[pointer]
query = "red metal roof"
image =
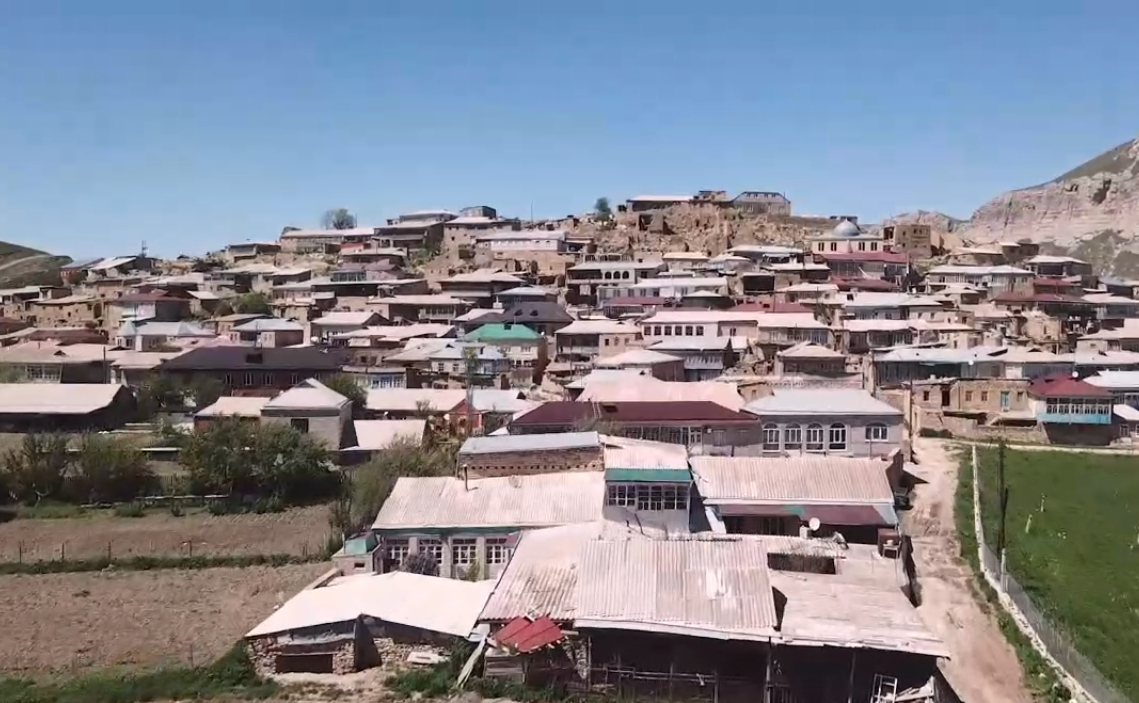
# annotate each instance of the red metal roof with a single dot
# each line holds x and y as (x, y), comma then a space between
(523, 635)
(1066, 387)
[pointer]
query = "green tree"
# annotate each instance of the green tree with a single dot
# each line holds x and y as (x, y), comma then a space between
(157, 393)
(420, 563)
(223, 309)
(351, 389)
(205, 390)
(290, 465)
(37, 469)
(252, 304)
(338, 218)
(602, 211)
(217, 458)
(237, 458)
(371, 483)
(111, 470)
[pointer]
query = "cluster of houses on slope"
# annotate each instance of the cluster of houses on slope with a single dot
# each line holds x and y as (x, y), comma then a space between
(602, 562)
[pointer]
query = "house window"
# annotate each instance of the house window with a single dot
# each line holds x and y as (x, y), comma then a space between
(968, 396)
(606, 340)
(877, 432)
(497, 551)
(873, 246)
(793, 438)
(622, 495)
(925, 395)
(834, 246)
(396, 550)
(248, 379)
(688, 330)
(433, 548)
(836, 438)
(464, 552)
(771, 437)
(299, 423)
(815, 438)
(700, 330)
(984, 396)
(668, 330)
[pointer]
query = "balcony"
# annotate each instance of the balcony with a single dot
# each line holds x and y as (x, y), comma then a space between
(1075, 418)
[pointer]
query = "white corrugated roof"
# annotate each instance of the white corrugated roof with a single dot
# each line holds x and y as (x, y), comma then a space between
(377, 434)
(449, 606)
(307, 395)
(598, 327)
(541, 500)
(801, 479)
(820, 402)
(240, 406)
(547, 442)
(825, 610)
(541, 578)
(700, 588)
(635, 357)
(649, 389)
(408, 399)
(56, 398)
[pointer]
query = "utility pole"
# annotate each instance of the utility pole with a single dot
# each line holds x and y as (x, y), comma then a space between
(1002, 489)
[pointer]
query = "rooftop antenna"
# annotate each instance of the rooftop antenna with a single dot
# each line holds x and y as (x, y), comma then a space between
(142, 251)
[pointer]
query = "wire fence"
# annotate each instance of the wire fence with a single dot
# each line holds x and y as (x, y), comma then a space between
(30, 552)
(1055, 642)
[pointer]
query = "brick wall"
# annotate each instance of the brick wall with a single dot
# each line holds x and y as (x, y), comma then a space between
(514, 463)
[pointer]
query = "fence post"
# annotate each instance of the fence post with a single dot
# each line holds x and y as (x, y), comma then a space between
(63, 551)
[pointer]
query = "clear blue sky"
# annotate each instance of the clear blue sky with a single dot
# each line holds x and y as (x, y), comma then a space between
(193, 124)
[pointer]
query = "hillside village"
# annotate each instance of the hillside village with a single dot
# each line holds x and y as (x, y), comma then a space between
(685, 428)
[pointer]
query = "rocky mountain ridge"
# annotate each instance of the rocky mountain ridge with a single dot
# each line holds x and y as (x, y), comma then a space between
(1090, 212)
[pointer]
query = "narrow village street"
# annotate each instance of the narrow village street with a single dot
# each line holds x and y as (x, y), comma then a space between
(984, 667)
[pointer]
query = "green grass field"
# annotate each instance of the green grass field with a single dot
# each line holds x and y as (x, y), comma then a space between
(1073, 521)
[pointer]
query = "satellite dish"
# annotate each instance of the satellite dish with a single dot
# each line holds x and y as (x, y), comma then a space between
(814, 524)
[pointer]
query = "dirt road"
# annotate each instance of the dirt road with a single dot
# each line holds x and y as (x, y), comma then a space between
(983, 668)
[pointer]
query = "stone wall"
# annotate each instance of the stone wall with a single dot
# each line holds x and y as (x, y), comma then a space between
(263, 653)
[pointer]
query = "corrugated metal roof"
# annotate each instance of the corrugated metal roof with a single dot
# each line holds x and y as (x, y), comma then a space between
(717, 589)
(449, 606)
(552, 441)
(635, 357)
(541, 500)
(817, 402)
(408, 399)
(652, 390)
(563, 412)
(241, 406)
(372, 435)
(541, 578)
(626, 453)
(823, 610)
(56, 398)
(805, 479)
(307, 395)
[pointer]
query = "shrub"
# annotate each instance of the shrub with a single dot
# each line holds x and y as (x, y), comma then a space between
(130, 510)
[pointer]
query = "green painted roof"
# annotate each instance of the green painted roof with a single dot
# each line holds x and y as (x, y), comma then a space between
(498, 330)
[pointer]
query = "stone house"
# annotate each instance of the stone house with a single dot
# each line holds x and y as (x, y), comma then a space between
(827, 421)
(316, 410)
(342, 624)
(69, 311)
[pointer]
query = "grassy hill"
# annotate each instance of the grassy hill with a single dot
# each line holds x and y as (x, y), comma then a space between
(23, 266)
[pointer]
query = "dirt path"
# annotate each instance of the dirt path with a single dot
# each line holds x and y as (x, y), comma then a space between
(24, 260)
(983, 668)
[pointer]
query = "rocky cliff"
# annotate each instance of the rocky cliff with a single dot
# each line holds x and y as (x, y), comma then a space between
(1090, 212)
